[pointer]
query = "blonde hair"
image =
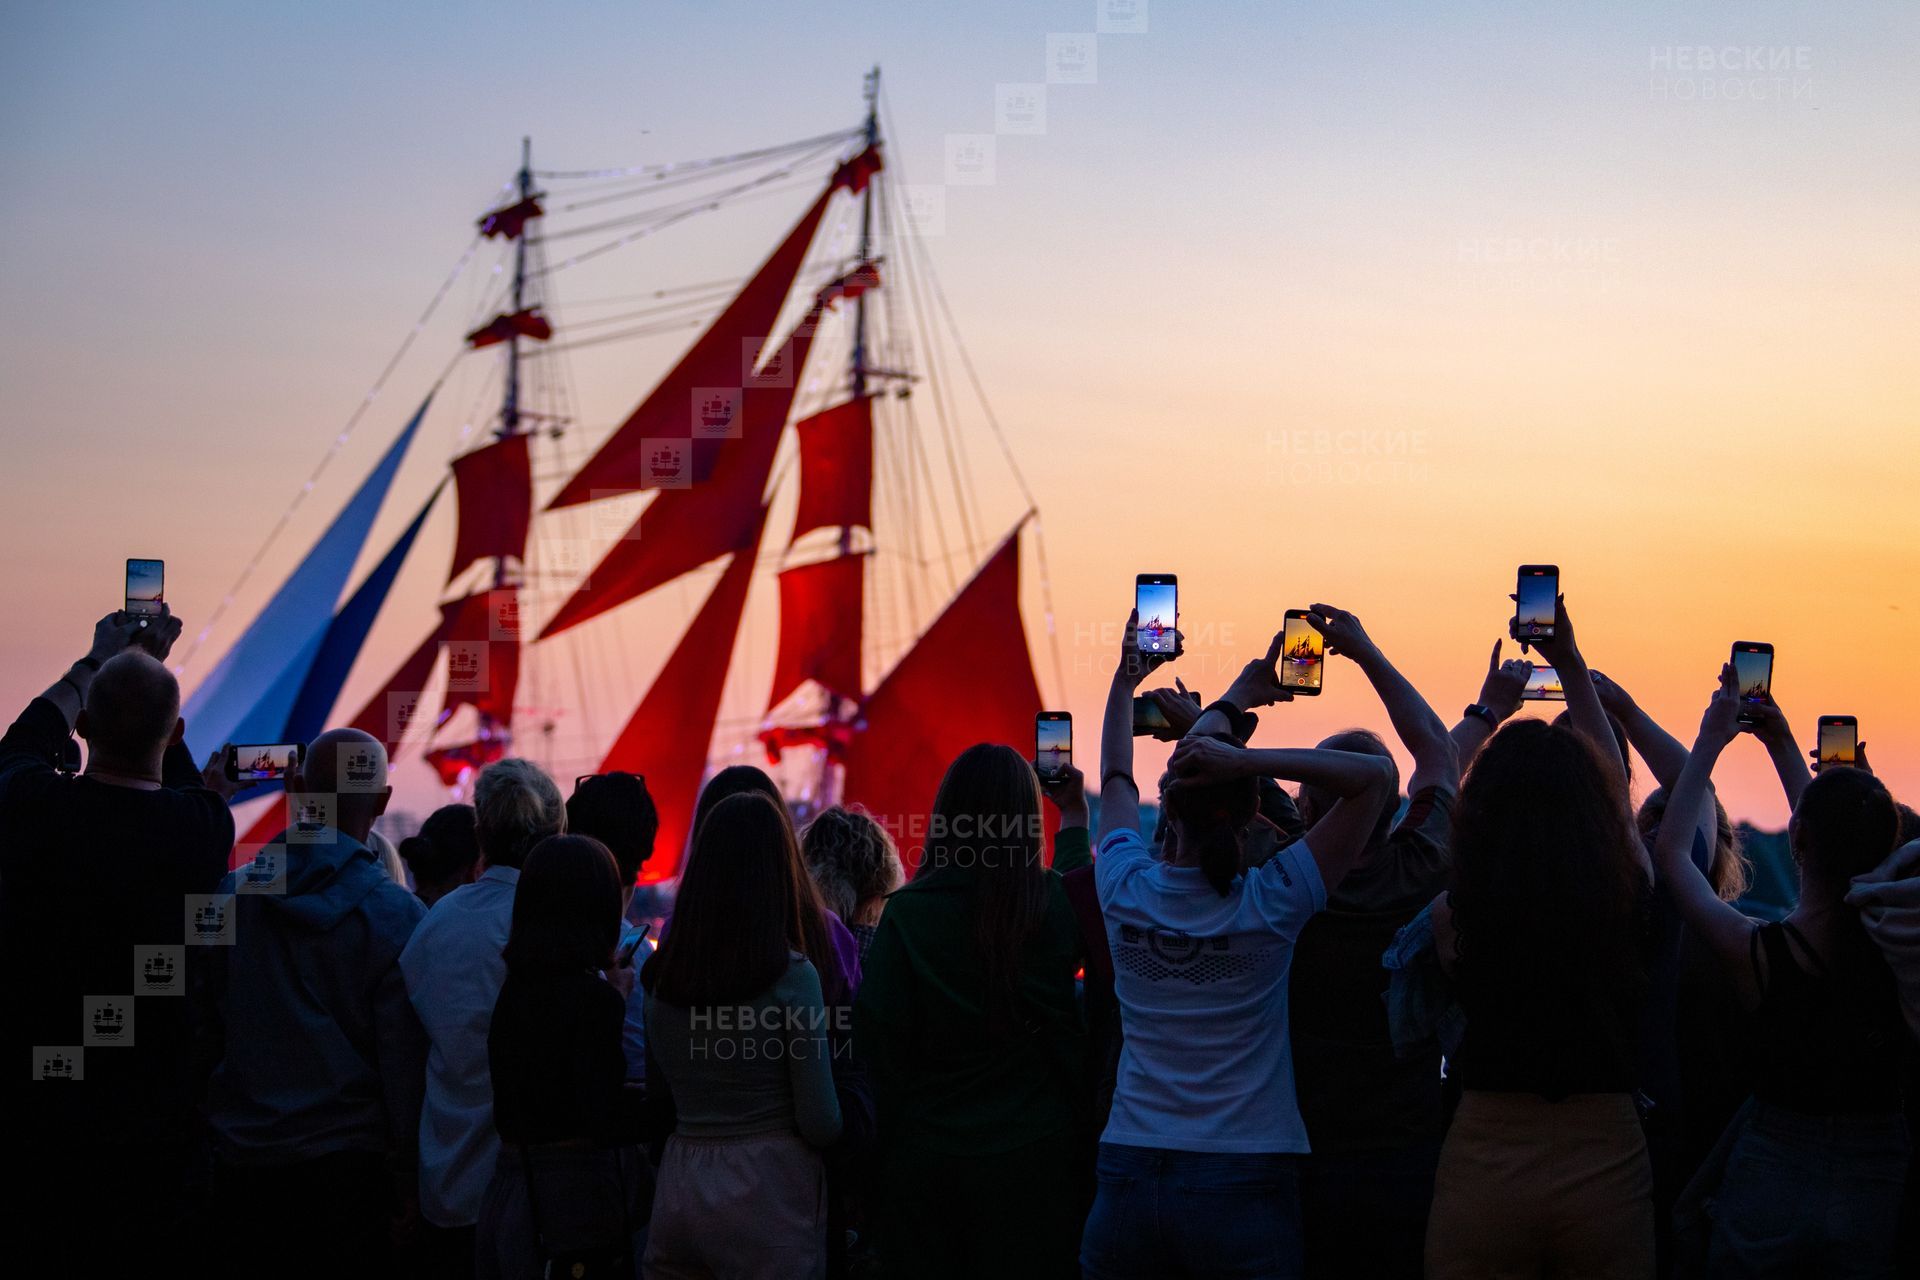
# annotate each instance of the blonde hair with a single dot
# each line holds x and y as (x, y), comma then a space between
(516, 806)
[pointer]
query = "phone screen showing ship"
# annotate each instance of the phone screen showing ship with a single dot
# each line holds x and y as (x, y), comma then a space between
(1156, 603)
(1543, 685)
(146, 581)
(1052, 747)
(1752, 674)
(263, 764)
(1839, 739)
(1533, 614)
(1303, 655)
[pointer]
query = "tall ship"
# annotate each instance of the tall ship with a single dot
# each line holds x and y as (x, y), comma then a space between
(802, 547)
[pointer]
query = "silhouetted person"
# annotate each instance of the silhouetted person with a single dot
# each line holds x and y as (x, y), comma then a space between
(443, 854)
(93, 868)
(319, 1060)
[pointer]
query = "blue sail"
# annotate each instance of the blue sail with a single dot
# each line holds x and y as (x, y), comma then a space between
(250, 693)
(341, 645)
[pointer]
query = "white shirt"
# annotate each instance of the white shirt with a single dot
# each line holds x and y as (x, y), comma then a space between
(454, 970)
(1201, 979)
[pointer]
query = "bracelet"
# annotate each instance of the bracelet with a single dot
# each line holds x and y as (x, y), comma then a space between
(1481, 711)
(79, 693)
(90, 662)
(1126, 774)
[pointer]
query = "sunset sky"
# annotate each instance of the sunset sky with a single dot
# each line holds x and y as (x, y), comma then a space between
(1364, 304)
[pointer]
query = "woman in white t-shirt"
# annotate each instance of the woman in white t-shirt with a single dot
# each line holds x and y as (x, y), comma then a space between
(1197, 1168)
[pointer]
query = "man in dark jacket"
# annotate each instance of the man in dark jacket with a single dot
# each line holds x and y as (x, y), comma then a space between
(320, 1062)
(96, 872)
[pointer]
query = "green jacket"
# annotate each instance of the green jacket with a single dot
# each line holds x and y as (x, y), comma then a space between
(941, 1084)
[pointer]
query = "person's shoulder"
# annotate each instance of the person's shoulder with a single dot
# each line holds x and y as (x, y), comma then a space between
(392, 908)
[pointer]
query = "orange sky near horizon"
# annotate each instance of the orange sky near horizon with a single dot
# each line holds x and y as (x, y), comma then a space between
(1366, 308)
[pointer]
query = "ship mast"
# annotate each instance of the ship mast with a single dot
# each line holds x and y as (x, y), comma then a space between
(510, 406)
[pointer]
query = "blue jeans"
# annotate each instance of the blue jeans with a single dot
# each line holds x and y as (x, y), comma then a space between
(1810, 1196)
(1160, 1215)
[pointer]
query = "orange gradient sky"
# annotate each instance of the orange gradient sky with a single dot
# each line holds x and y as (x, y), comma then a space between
(1365, 307)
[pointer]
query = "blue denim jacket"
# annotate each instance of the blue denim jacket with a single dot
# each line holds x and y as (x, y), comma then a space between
(1421, 1002)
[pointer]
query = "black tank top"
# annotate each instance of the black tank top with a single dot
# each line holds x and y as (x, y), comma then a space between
(1829, 1041)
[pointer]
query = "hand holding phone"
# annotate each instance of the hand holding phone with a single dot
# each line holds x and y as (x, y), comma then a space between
(1157, 713)
(626, 954)
(1543, 685)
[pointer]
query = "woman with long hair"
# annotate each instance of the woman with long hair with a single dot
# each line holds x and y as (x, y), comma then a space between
(1199, 1162)
(824, 937)
(968, 1020)
(1545, 1167)
(738, 1028)
(569, 1180)
(1816, 1163)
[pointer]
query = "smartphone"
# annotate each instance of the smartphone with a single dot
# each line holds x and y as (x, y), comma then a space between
(1753, 677)
(1303, 654)
(1544, 686)
(1536, 602)
(1838, 742)
(1148, 719)
(1052, 745)
(626, 953)
(1156, 598)
(267, 762)
(146, 588)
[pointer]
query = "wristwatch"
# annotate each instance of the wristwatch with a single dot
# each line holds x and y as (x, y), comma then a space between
(1484, 712)
(90, 662)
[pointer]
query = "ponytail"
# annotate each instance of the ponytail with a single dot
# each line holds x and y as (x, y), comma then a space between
(1219, 853)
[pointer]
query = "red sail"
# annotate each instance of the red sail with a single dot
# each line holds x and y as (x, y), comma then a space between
(720, 360)
(389, 712)
(969, 679)
(836, 468)
(682, 529)
(856, 282)
(456, 764)
(666, 740)
(820, 627)
(495, 485)
(483, 653)
(854, 174)
(526, 324)
(510, 220)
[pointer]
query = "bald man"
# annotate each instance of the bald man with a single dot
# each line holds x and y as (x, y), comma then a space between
(320, 1060)
(95, 869)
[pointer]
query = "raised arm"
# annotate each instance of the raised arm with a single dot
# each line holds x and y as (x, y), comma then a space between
(1719, 925)
(1499, 697)
(1789, 765)
(1583, 700)
(1362, 783)
(1424, 734)
(1119, 793)
(1665, 754)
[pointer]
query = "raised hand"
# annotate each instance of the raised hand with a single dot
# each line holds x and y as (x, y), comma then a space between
(1615, 699)
(112, 635)
(1258, 684)
(1721, 722)
(1562, 652)
(1506, 681)
(1207, 760)
(1068, 792)
(1179, 709)
(1345, 635)
(157, 639)
(1136, 666)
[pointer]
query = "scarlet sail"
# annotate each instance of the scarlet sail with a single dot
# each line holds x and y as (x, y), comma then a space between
(682, 529)
(969, 679)
(820, 627)
(495, 485)
(836, 468)
(483, 654)
(721, 360)
(667, 738)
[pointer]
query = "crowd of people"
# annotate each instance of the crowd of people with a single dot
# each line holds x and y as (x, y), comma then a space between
(1505, 1026)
